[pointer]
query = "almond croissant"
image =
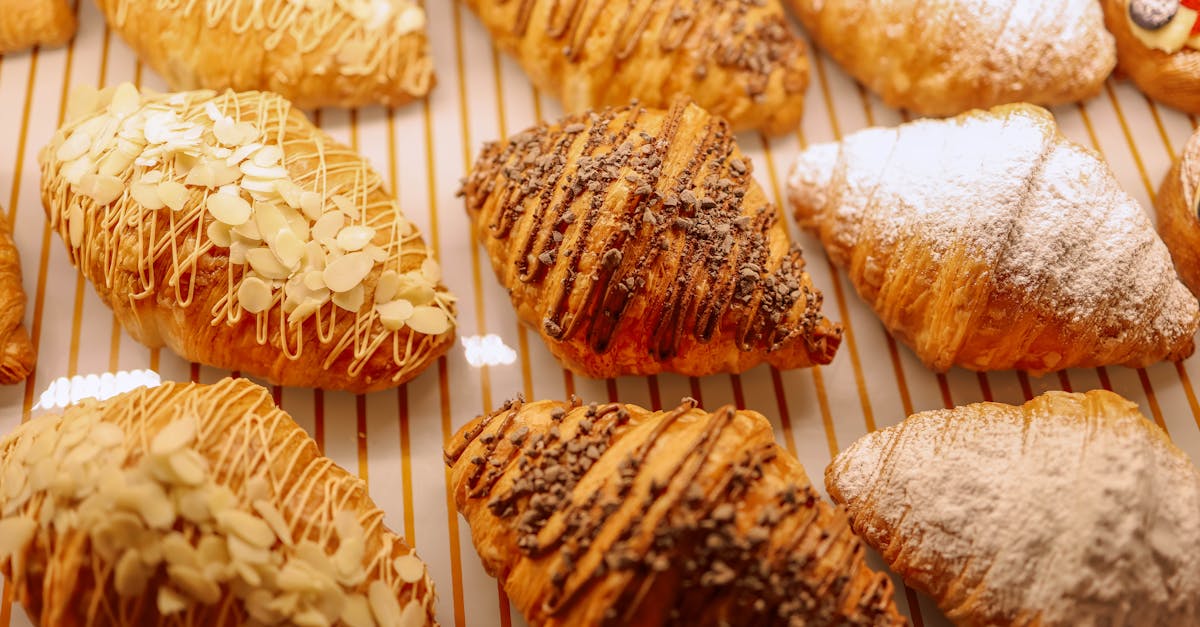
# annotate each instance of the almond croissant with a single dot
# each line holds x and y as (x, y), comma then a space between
(316, 53)
(26, 23)
(943, 57)
(990, 241)
(1072, 509)
(740, 60)
(1158, 47)
(230, 229)
(1177, 205)
(16, 349)
(194, 504)
(615, 515)
(636, 241)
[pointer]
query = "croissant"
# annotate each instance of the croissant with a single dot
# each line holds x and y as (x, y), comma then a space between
(316, 53)
(944, 57)
(1176, 205)
(194, 504)
(26, 23)
(1072, 509)
(990, 241)
(740, 60)
(16, 350)
(636, 241)
(230, 229)
(1158, 46)
(615, 515)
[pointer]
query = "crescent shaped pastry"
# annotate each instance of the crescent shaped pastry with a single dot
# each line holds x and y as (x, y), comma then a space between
(16, 350)
(1158, 47)
(616, 515)
(192, 504)
(230, 229)
(991, 241)
(636, 241)
(1072, 509)
(28, 23)
(1177, 205)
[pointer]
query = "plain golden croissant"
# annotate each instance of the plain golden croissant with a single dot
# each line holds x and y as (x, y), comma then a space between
(1177, 205)
(1072, 509)
(26, 23)
(740, 60)
(1158, 47)
(230, 229)
(16, 349)
(944, 57)
(637, 241)
(615, 515)
(991, 241)
(316, 53)
(194, 504)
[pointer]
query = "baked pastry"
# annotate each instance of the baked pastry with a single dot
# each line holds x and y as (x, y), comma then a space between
(192, 504)
(616, 515)
(27, 23)
(1177, 205)
(230, 229)
(1072, 509)
(740, 60)
(316, 53)
(16, 350)
(944, 57)
(991, 241)
(1158, 47)
(636, 241)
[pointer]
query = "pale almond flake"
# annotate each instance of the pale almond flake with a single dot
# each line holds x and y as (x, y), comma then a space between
(413, 615)
(75, 224)
(344, 205)
(189, 467)
(393, 315)
(146, 195)
(288, 248)
(311, 205)
(266, 264)
(431, 270)
(74, 147)
(229, 209)
(347, 272)
(74, 171)
(254, 295)
(376, 253)
(328, 226)
(174, 195)
(130, 575)
(384, 604)
(355, 237)
(100, 188)
(175, 436)
(194, 584)
(247, 527)
(126, 100)
(170, 602)
(270, 514)
(268, 156)
(219, 234)
(387, 286)
(356, 612)
(350, 300)
(410, 568)
(429, 320)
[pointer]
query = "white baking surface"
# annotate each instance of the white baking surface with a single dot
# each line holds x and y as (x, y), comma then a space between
(394, 439)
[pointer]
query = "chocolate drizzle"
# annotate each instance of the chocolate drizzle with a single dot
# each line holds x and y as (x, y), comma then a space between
(656, 213)
(676, 518)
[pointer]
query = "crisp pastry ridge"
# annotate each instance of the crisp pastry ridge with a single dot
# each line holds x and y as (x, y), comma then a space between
(1176, 206)
(616, 515)
(231, 229)
(316, 53)
(26, 23)
(637, 241)
(739, 59)
(17, 354)
(191, 504)
(1072, 509)
(991, 241)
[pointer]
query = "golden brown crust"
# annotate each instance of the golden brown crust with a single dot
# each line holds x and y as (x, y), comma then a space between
(1170, 78)
(170, 284)
(615, 515)
(16, 350)
(316, 56)
(1176, 208)
(636, 241)
(112, 475)
(26, 23)
(945, 57)
(739, 59)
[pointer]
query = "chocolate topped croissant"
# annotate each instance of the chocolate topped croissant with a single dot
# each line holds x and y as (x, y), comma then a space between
(201, 505)
(637, 241)
(616, 515)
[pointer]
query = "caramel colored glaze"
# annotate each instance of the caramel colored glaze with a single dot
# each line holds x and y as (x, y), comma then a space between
(739, 59)
(1173, 79)
(1176, 208)
(637, 241)
(615, 515)
(16, 350)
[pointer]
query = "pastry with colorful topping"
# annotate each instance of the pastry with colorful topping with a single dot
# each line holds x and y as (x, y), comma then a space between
(616, 515)
(316, 53)
(230, 229)
(944, 57)
(201, 505)
(990, 241)
(1158, 47)
(739, 59)
(637, 241)
(1072, 509)
(16, 349)
(1177, 205)
(28, 23)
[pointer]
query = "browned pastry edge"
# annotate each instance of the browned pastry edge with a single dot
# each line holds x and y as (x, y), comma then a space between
(17, 354)
(1170, 78)
(28, 23)
(1179, 225)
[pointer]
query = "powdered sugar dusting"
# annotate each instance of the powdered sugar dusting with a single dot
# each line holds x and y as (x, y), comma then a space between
(1073, 506)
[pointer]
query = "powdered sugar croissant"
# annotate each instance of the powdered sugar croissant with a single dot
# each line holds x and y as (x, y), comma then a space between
(26, 23)
(990, 241)
(636, 241)
(616, 515)
(197, 505)
(1178, 207)
(740, 60)
(1072, 509)
(230, 229)
(943, 57)
(1158, 47)
(316, 53)
(16, 349)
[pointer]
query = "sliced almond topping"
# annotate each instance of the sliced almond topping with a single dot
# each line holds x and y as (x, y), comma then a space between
(314, 257)
(125, 100)
(312, 554)
(173, 195)
(202, 175)
(247, 527)
(413, 615)
(107, 434)
(288, 248)
(74, 147)
(354, 237)
(219, 234)
(229, 209)
(346, 272)
(310, 618)
(348, 560)
(177, 550)
(194, 584)
(289, 192)
(130, 575)
(100, 188)
(384, 604)
(394, 314)
(189, 467)
(170, 602)
(264, 262)
(377, 253)
(385, 289)
(268, 173)
(146, 195)
(116, 162)
(344, 205)
(258, 605)
(314, 280)
(74, 171)
(270, 220)
(258, 488)
(328, 225)
(429, 320)
(15, 536)
(248, 231)
(311, 205)
(356, 612)
(193, 505)
(175, 436)
(226, 132)
(431, 270)
(410, 568)
(75, 224)
(268, 156)
(254, 295)
(350, 300)
(242, 551)
(415, 289)
(270, 514)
